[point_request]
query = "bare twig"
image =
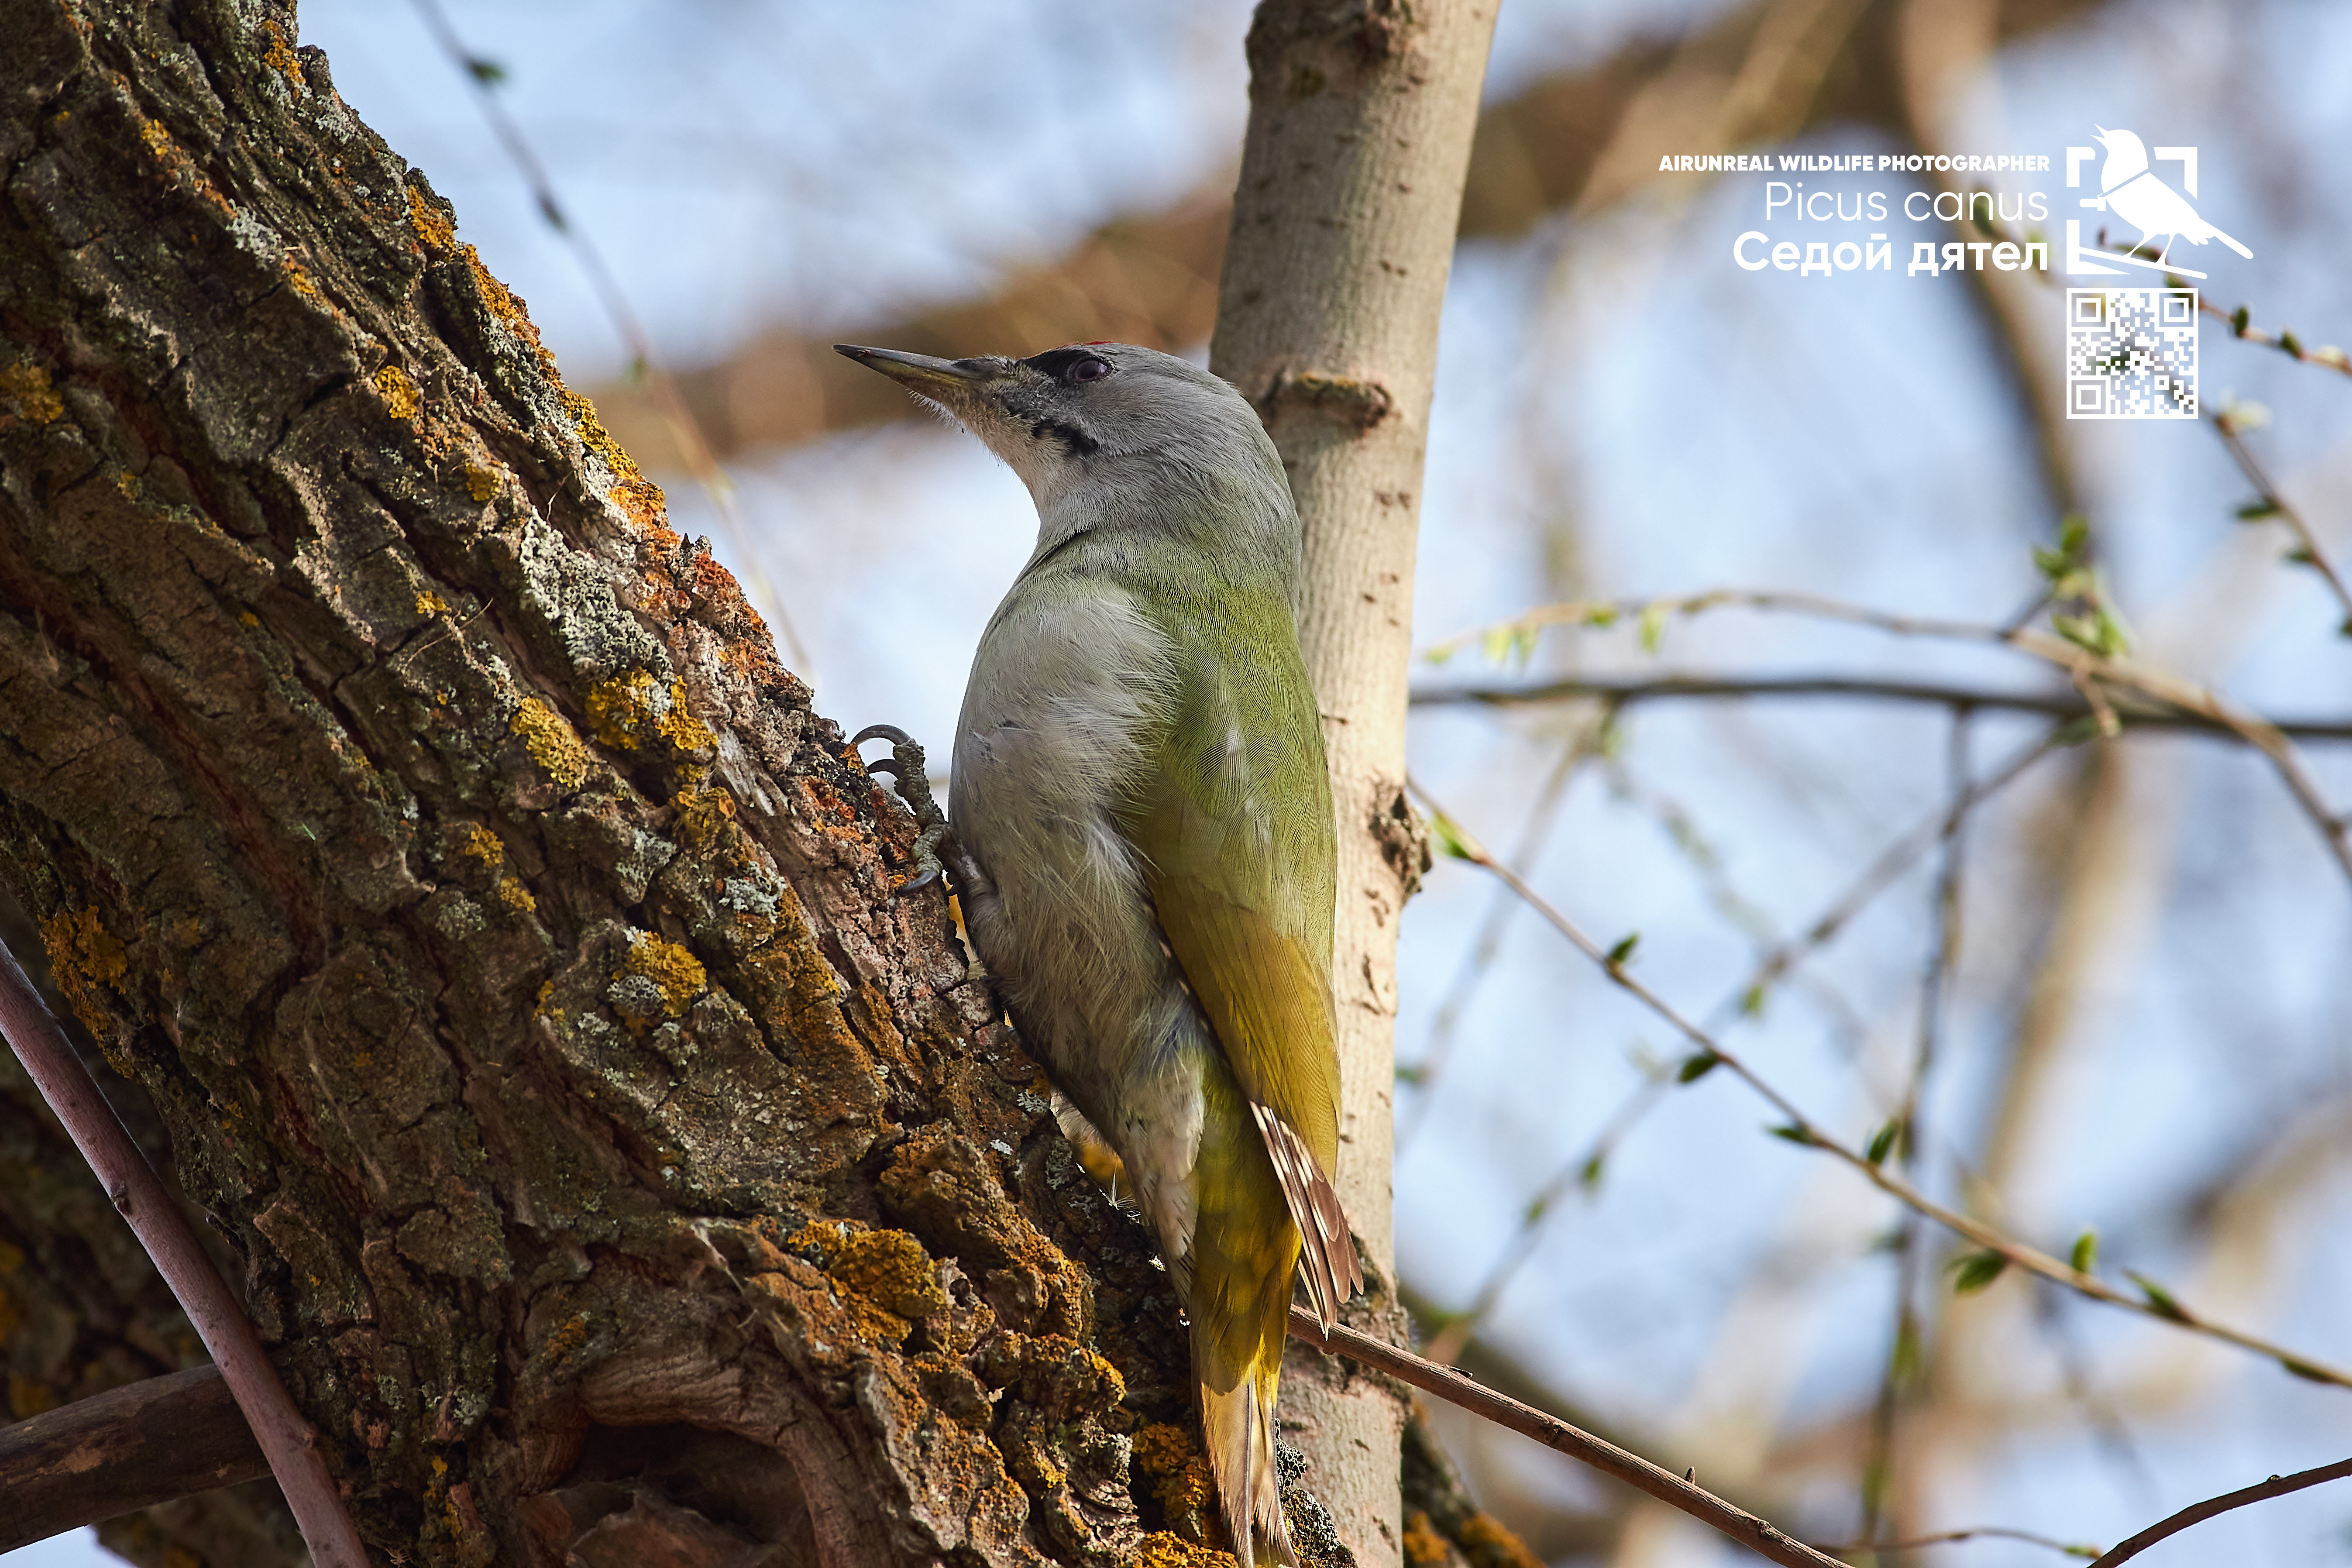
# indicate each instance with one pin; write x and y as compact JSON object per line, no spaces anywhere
{"x":1947,"y":1537}
{"x":2055,"y":704}
{"x":218,"y":1318}
{"x":1583,"y":1170}
{"x":1426,"y":1074}
{"x":2155,"y":1303}
{"x":2232,"y":426}
{"x":2099,"y":676}
{"x":2285,"y":342}
{"x":1737,"y":1523}
{"x":687,"y":430}
{"x":2277,"y":1486}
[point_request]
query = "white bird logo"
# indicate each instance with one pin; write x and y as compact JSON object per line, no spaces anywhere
{"x":2131,"y":191}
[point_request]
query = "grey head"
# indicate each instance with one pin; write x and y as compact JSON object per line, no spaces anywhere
{"x":1111,"y":435}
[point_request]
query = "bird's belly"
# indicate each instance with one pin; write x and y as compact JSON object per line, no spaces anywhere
{"x":1050,"y":738}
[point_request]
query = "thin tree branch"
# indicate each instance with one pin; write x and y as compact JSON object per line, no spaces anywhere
{"x":2285,"y":342}
{"x":1677,"y":1491}
{"x":2098,"y":675}
{"x":2055,"y":704}
{"x":2233,"y":425}
{"x":2158,"y":1303}
{"x":1949,"y":1537}
{"x":118,"y":1452}
{"x":217,"y":1316}
{"x":1427,"y":1073}
{"x":2197,"y":1514}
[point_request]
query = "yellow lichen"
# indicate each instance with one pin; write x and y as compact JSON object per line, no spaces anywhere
{"x":676,"y":974}
{"x":883,"y":1277}
{"x":515,"y":896}
{"x":680,"y":728}
{"x":891,"y":1267}
{"x":626,"y":709}
{"x":637,"y":497}
{"x":159,"y":141}
{"x":83,"y":955}
{"x":27,"y":386}
{"x":431,"y":604}
{"x":400,"y":398}
{"x":701,"y":816}
{"x":435,"y":230}
{"x":620,"y":708}
{"x":127,"y":485}
{"x":299,"y":277}
{"x":551,"y":742}
{"x":483,"y":845}
{"x":1488,"y":1541}
{"x":481,"y":483}
{"x":248,"y":618}
{"x":1423,"y":1547}
{"x":281,"y":56}
{"x":1162,"y":1549}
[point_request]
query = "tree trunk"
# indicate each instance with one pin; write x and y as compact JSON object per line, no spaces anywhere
{"x":508,"y":954}
{"x":1360,"y":119}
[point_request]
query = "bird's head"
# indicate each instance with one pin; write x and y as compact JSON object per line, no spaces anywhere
{"x":1091,"y":420}
{"x":2126,"y":153}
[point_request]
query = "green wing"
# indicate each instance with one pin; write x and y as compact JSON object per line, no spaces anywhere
{"x":1236,"y":832}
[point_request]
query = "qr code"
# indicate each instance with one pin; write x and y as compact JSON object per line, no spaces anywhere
{"x":2131,"y":353}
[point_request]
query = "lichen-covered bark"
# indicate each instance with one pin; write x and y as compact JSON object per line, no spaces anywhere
{"x":508,"y":953}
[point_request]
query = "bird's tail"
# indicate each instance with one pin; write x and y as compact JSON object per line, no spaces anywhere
{"x":1237,"y":1426}
{"x":1237,"y":1279}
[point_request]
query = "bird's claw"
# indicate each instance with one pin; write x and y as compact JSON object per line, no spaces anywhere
{"x":911,"y":779}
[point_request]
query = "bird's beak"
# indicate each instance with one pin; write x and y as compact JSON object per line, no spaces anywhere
{"x":948,"y":380}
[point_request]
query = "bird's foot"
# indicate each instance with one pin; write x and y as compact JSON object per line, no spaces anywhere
{"x":936,"y":849}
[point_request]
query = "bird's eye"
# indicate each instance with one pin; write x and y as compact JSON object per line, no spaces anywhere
{"x":1088,"y":370}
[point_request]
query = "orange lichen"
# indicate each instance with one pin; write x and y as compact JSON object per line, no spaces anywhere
{"x":678,"y":975}
{"x":280,"y":58}
{"x":883,"y":1277}
{"x":83,"y":955}
{"x":430,"y":225}
{"x":27,"y":386}
{"x":551,"y":742}
{"x":400,"y":398}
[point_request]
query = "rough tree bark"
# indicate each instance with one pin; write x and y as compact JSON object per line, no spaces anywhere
{"x":1360,"y":119}
{"x":508,"y":953}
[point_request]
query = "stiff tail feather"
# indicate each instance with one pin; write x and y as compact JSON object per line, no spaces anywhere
{"x":1237,"y":1426}
{"x":1327,"y":1253}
